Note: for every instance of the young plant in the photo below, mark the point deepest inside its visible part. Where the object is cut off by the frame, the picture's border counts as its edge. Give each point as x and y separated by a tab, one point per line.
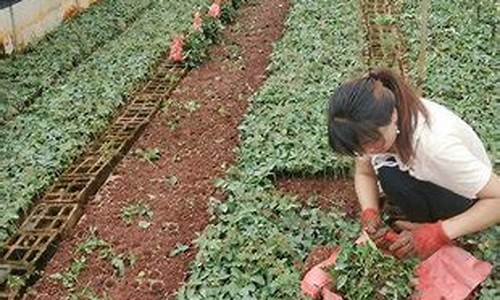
192	106
363	272
135	210
15	282
196	48
179	249
69	277
228	13
92	243
385	20
150	155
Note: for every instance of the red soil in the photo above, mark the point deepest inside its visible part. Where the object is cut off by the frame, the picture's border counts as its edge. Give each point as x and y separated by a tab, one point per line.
326	191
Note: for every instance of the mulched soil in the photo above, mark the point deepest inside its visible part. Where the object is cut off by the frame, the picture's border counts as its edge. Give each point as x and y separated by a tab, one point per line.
196	133
325	192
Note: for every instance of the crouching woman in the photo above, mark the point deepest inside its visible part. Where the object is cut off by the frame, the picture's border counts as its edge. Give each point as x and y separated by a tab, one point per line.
429	163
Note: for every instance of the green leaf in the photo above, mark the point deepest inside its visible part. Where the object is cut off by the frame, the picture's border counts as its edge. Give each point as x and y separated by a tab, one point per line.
118	263
179	249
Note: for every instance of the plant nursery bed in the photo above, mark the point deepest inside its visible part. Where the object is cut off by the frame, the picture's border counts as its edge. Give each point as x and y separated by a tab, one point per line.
134	239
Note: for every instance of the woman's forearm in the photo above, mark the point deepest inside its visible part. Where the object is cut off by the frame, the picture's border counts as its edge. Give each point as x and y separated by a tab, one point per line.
367	191
365	183
483	214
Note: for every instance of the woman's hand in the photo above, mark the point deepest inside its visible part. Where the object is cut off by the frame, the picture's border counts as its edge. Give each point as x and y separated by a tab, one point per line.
370	220
372	224
419	239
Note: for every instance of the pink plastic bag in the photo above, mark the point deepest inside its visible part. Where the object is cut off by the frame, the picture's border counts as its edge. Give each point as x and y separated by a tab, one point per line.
450	274
317	283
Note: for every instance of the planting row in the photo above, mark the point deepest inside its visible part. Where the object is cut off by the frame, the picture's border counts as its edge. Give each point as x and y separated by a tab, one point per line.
38	145
261	238
461	60
257	248
461	74
25	76
66	197
285	129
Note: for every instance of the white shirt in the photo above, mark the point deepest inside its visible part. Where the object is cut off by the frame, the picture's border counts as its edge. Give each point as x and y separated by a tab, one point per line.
448	153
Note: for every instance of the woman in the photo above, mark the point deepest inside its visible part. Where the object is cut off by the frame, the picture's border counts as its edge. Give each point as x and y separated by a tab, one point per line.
429	163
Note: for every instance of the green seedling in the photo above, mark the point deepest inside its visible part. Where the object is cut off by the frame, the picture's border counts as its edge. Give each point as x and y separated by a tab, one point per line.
196	48
150	155
363	272
179	249
173	122
228	13
119	261
192	106
132	258
135	210
119	264
69	277
15	282
234	51
92	243
167	105
385	20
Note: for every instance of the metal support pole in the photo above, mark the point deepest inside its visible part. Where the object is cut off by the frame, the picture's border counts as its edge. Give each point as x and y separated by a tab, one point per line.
13	24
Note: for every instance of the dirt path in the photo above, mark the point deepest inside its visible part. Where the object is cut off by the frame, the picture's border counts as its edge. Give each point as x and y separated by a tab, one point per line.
195	134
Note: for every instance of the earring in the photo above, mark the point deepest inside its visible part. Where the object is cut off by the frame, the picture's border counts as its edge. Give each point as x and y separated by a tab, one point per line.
397	131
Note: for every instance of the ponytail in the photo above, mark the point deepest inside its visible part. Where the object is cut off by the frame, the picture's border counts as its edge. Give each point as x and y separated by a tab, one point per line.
408	107
358	108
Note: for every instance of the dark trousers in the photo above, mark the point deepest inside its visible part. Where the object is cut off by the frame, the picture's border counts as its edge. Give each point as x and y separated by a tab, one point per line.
419	201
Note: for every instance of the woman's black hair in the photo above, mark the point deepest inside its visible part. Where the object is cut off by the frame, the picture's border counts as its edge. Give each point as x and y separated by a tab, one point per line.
359	107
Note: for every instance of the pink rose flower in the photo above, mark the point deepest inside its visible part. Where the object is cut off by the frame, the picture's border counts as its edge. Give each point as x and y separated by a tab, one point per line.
176	49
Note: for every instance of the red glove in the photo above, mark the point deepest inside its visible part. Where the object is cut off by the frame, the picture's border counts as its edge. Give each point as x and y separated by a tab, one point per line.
374	227
370	220
420	239
429	238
